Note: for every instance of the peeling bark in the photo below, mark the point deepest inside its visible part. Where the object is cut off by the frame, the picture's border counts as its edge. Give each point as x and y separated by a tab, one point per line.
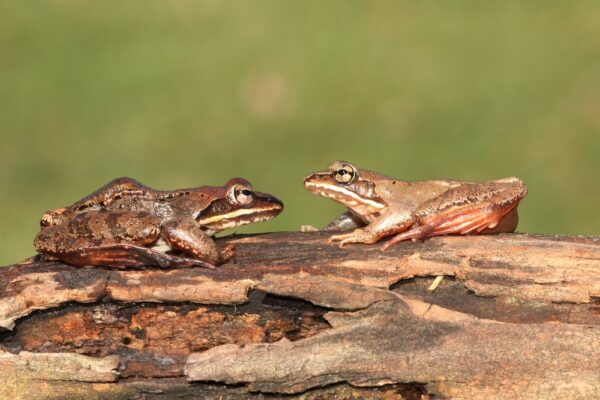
518	316
461	357
61	367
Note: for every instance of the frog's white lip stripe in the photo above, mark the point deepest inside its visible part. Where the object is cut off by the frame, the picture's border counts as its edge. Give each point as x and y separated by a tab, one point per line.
237	213
344	191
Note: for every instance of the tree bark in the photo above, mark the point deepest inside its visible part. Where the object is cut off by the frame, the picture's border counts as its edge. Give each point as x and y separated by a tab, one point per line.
517	316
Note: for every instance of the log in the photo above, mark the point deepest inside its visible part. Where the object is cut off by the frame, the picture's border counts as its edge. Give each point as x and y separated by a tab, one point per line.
517	316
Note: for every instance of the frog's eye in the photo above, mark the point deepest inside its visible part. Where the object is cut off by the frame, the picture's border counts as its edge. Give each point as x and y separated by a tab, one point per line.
243	195
344	174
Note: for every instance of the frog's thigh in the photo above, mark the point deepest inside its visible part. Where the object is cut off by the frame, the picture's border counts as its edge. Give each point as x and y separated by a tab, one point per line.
187	236
137	227
93	229
476	218
477	207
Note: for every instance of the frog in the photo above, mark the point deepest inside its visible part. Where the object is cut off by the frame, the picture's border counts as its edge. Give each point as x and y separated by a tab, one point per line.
381	207
127	224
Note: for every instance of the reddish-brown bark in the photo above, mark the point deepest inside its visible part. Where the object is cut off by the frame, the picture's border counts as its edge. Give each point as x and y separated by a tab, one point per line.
516	316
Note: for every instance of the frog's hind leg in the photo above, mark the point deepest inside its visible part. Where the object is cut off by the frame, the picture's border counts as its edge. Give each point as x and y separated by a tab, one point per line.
112	238
125	255
468	209
461	222
507	224
416	232
490	219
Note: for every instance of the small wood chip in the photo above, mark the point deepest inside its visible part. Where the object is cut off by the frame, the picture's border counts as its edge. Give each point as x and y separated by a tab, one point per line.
438	279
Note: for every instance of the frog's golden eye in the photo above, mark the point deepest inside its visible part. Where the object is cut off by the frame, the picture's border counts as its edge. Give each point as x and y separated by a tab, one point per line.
345	174
243	195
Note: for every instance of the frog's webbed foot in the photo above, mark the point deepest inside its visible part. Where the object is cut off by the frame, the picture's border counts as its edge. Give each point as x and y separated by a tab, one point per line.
356	236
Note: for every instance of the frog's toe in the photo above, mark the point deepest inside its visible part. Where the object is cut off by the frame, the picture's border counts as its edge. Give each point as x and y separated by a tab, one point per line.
345	238
337	238
415	234
183	261
345	242
349	241
204	264
357	236
308	228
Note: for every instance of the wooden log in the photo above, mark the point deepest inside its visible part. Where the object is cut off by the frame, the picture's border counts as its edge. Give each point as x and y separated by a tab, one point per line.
518	316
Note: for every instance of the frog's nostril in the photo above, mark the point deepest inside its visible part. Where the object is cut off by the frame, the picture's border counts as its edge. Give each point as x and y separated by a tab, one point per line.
275	200
309	181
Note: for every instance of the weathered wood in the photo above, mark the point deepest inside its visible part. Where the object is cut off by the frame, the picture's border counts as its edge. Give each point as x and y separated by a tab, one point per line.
61	367
517	316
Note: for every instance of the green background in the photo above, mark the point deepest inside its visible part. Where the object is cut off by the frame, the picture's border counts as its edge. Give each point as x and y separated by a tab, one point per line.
184	93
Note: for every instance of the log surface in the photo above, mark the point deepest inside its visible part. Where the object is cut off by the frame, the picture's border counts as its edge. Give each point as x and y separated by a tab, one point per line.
517	316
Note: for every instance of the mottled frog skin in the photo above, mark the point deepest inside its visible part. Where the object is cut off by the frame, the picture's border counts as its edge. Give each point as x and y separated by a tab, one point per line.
380	206
127	224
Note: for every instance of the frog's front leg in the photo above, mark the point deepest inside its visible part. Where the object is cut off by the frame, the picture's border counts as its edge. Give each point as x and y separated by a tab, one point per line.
384	225
187	236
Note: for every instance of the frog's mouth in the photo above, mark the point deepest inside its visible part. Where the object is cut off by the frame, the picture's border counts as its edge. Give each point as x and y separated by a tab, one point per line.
342	194
221	215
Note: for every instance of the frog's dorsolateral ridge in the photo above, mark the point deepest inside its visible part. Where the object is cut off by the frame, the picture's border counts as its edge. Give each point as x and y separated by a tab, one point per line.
127	224
380	206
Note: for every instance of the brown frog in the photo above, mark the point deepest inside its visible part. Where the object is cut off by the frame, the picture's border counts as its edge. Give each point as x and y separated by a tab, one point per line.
380	206
127	224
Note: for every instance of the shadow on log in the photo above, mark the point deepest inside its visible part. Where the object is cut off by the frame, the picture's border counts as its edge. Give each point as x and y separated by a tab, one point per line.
518	316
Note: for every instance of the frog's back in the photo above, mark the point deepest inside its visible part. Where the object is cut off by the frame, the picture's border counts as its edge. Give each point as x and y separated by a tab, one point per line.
412	194
497	193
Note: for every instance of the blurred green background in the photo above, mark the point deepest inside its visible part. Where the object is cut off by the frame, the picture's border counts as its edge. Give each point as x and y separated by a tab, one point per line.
184	93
